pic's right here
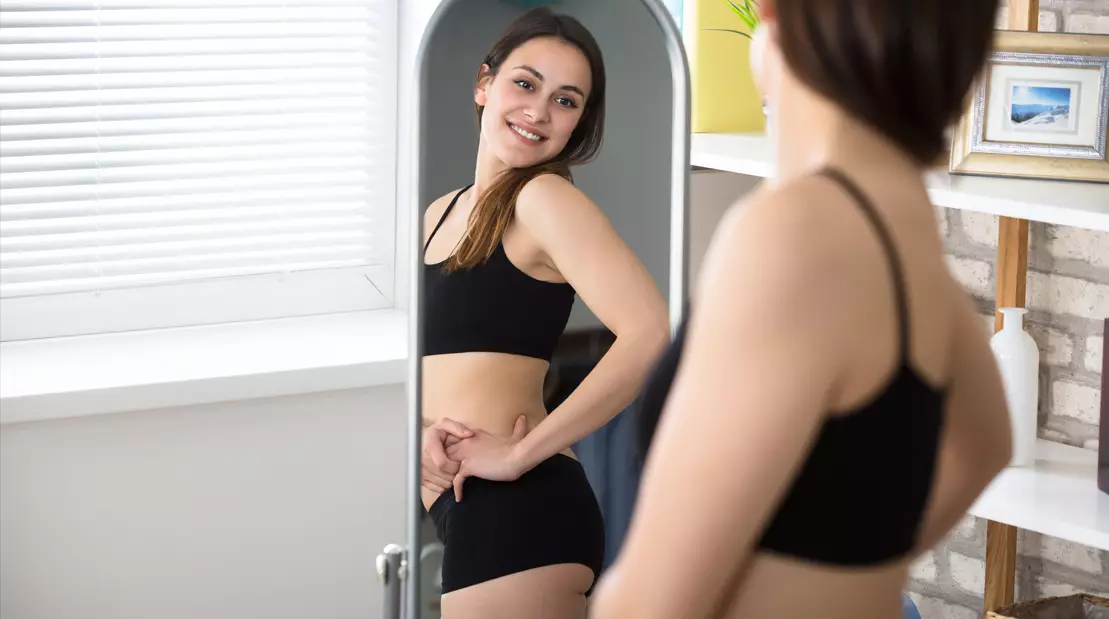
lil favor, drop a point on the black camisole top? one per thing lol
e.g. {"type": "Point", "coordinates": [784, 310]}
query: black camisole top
{"type": "Point", "coordinates": [860, 495]}
{"type": "Point", "coordinates": [492, 307]}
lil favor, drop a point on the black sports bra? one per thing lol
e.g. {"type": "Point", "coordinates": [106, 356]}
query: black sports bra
{"type": "Point", "coordinates": [492, 307]}
{"type": "Point", "coordinates": [860, 496]}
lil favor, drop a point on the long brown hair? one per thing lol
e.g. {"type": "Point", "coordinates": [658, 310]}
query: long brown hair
{"type": "Point", "coordinates": [495, 207]}
{"type": "Point", "coordinates": [905, 68]}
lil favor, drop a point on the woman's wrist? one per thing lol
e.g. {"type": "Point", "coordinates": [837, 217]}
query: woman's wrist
{"type": "Point", "coordinates": [523, 457]}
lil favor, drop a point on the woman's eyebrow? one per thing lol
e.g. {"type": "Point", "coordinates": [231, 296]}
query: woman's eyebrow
{"type": "Point", "coordinates": [539, 76]}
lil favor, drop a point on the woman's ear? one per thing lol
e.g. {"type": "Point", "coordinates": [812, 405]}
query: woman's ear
{"type": "Point", "coordinates": [768, 10]}
{"type": "Point", "coordinates": [765, 57]}
{"type": "Point", "coordinates": [484, 77]}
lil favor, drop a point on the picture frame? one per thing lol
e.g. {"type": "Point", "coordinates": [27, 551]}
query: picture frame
{"type": "Point", "coordinates": [1039, 110]}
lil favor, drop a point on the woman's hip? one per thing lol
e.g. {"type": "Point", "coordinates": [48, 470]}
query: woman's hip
{"type": "Point", "coordinates": [546, 517]}
{"type": "Point", "coordinates": [556, 487]}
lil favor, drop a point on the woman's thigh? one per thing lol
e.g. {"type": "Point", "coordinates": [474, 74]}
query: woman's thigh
{"type": "Point", "coordinates": [549, 592]}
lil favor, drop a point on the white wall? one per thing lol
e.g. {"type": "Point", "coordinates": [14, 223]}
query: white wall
{"type": "Point", "coordinates": [262, 509]}
{"type": "Point", "coordinates": [711, 194]}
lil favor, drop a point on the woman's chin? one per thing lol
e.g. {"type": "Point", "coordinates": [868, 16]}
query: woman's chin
{"type": "Point", "coordinates": [517, 160]}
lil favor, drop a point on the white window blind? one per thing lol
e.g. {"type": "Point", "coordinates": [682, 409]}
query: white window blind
{"type": "Point", "coordinates": [179, 162]}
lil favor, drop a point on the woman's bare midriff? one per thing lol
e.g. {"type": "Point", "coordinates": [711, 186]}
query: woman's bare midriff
{"type": "Point", "coordinates": [483, 391]}
{"type": "Point", "coordinates": [777, 586]}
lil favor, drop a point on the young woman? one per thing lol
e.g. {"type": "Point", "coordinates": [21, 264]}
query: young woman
{"type": "Point", "coordinates": [505, 256]}
{"type": "Point", "coordinates": [830, 409]}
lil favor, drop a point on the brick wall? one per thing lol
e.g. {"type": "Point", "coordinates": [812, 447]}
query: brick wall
{"type": "Point", "coordinates": [1068, 297]}
{"type": "Point", "coordinates": [1089, 16]}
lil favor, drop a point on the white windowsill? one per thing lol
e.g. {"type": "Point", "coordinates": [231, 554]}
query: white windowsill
{"type": "Point", "coordinates": [91, 375]}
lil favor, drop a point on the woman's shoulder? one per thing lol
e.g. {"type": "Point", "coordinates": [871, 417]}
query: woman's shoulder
{"type": "Point", "coordinates": [551, 195]}
{"type": "Point", "coordinates": [787, 218]}
{"type": "Point", "coordinates": [442, 201]}
{"type": "Point", "coordinates": [435, 210]}
{"type": "Point", "coordinates": [547, 186]}
{"type": "Point", "coordinates": [780, 240]}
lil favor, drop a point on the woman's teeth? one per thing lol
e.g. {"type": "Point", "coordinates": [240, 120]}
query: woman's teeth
{"type": "Point", "coordinates": [526, 134]}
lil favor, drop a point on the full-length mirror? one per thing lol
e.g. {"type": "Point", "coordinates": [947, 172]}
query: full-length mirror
{"type": "Point", "coordinates": [551, 206]}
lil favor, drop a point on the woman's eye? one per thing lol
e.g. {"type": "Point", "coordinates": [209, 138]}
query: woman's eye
{"type": "Point", "coordinates": [523, 84]}
{"type": "Point", "coordinates": [566, 102]}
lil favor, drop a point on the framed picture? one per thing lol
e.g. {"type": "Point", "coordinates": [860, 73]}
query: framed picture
{"type": "Point", "coordinates": [1041, 109]}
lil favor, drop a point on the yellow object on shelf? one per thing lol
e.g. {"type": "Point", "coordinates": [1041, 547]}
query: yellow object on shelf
{"type": "Point", "coordinates": [724, 97]}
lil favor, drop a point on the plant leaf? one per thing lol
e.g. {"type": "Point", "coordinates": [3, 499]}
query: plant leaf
{"type": "Point", "coordinates": [729, 30]}
{"type": "Point", "coordinates": [745, 13]}
{"type": "Point", "coordinates": [741, 12]}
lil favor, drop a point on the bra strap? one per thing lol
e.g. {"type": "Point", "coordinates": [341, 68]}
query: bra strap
{"type": "Point", "coordinates": [888, 245]}
{"type": "Point", "coordinates": [443, 218]}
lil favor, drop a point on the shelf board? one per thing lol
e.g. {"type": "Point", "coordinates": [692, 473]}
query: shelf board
{"type": "Point", "coordinates": [742, 153]}
{"type": "Point", "coordinates": [1065, 203]}
{"type": "Point", "coordinates": [1057, 496]}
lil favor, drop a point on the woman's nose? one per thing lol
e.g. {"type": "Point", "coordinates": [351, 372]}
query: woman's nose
{"type": "Point", "coordinates": [537, 113]}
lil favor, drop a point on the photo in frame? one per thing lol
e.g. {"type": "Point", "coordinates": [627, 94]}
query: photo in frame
{"type": "Point", "coordinates": [1039, 110]}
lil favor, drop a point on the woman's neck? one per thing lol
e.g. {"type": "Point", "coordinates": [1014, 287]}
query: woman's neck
{"type": "Point", "coordinates": [488, 167]}
{"type": "Point", "coordinates": [812, 132]}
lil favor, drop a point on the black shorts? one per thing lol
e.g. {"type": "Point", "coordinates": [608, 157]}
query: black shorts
{"type": "Point", "coordinates": [548, 516]}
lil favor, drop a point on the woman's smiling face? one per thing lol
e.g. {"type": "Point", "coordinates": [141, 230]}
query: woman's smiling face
{"type": "Point", "coordinates": [534, 103]}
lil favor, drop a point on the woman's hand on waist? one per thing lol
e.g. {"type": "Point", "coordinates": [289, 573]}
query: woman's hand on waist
{"type": "Point", "coordinates": [488, 456]}
{"type": "Point", "coordinates": [438, 469]}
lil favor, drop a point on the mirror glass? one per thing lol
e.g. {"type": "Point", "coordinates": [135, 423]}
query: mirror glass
{"type": "Point", "coordinates": [511, 337]}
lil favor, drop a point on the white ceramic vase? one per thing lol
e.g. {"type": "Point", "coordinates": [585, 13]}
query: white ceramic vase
{"type": "Point", "coordinates": [1018, 360]}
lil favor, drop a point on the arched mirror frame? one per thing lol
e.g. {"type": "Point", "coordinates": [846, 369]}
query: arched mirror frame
{"type": "Point", "coordinates": [678, 251]}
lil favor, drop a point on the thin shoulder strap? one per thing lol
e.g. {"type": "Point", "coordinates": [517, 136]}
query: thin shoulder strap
{"type": "Point", "coordinates": [891, 252]}
{"type": "Point", "coordinates": [446, 211]}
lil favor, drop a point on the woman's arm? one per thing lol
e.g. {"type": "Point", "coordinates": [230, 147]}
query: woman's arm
{"type": "Point", "coordinates": [976, 438]}
{"type": "Point", "coordinates": [614, 284]}
{"type": "Point", "coordinates": [758, 370]}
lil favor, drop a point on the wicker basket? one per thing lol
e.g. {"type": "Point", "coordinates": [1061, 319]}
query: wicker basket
{"type": "Point", "coordinates": [1068, 607]}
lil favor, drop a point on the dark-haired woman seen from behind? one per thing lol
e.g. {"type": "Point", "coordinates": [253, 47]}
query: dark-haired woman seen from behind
{"type": "Point", "coordinates": [522, 530]}
{"type": "Point", "coordinates": [830, 407]}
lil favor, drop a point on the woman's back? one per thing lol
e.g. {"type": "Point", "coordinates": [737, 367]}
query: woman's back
{"type": "Point", "coordinates": [957, 403]}
{"type": "Point", "coordinates": [840, 540]}
{"type": "Point", "coordinates": [835, 408]}
{"type": "Point", "coordinates": [888, 354]}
